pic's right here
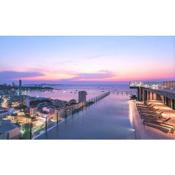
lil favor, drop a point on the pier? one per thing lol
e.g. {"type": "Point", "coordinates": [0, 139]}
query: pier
{"type": "Point", "coordinates": [98, 98]}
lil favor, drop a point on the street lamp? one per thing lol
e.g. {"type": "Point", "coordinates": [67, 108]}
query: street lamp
{"type": "Point", "coordinates": [31, 128]}
{"type": "Point", "coordinates": [57, 117]}
{"type": "Point", "coordinates": [46, 122]}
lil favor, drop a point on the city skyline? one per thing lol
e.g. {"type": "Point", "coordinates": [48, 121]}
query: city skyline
{"type": "Point", "coordinates": [86, 59]}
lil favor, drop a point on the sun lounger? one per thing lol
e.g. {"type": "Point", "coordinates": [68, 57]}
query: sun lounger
{"type": "Point", "coordinates": [163, 128]}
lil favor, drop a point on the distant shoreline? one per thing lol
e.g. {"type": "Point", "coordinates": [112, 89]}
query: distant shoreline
{"type": "Point", "coordinates": [10, 87]}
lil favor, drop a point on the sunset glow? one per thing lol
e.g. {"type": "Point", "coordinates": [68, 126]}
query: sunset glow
{"type": "Point", "coordinates": [81, 59]}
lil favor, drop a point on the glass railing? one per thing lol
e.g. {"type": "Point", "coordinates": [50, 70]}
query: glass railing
{"type": "Point", "coordinates": [154, 85]}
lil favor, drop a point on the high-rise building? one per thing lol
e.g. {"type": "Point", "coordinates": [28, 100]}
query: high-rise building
{"type": "Point", "coordinates": [27, 101]}
{"type": "Point", "coordinates": [20, 87]}
{"type": "Point", "coordinates": [13, 84]}
{"type": "Point", "coordinates": [82, 96]}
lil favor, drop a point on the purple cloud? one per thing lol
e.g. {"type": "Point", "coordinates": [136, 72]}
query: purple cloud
{"type": "Point", "coordinates": [95, 76]}
{"type": "Point", "coordinates": [13, 75]}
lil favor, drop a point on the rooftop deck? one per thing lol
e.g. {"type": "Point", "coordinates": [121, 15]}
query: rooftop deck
{"type": "Point", "coordinates": [146, 132]}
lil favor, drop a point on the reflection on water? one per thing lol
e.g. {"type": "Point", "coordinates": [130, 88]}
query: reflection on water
{"type": "Point", "coordinates": [107, 119]}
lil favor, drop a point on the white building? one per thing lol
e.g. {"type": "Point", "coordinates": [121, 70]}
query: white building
{"type": "Point", "coordinates": [5, 102]}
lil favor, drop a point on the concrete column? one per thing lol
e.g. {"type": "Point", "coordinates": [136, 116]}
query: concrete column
{"type": "Point", "coordinates": [145, 99]}
{"type": "Point", "coordinates": [155, 96]}
{"type": "Point", "coordinates": [173, 103]}
{"type": "Point", "coordinates": [162, 98]}
{"type": "Point", "coordinates": [168, 102]}
{"type": "Point", "coordinates": [139, 94]}
{"type": "Point", "coordinates": [158, 97]}
{"type": "Point", "coordinates": [148, 95]}
{"type": "Point", "coordinates": [142, 95]}
{"type": "Point", "coordinates": [152, 96]}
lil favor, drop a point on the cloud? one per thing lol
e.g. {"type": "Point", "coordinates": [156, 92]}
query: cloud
{"type": "Point", "coordinates": [14, 75]}
{"type": "Point", "coordinates": [95, 56]}
{"type": "Point", "coordinates": [37, 76]}
{"type": "Point", "coordinates": [101, 75]}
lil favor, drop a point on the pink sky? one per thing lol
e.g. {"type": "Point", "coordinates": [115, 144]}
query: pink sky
{"type": "Point", "coordinates": [87, 58]}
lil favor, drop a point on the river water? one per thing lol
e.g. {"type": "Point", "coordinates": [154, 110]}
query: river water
{"type": "Point", "coordinates": [107, 119]}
